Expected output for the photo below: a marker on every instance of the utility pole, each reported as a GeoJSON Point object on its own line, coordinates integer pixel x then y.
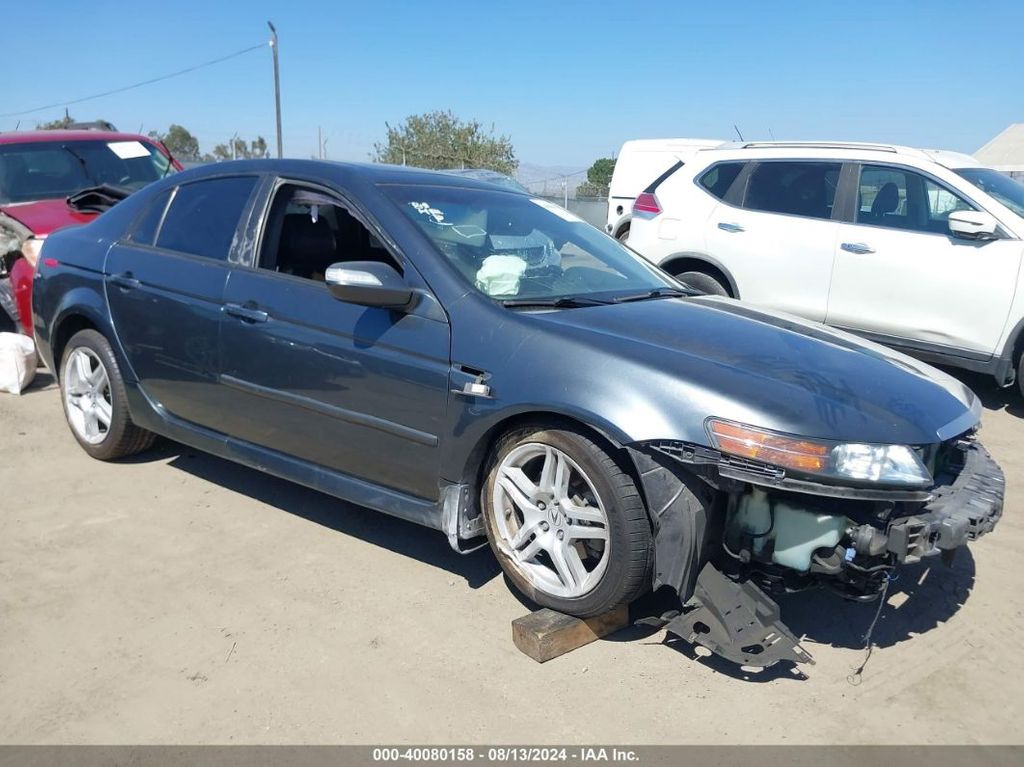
{"type": "Point", "coordinates": [319, 143]}
{"type": "Point", "coordinates": [565, 191]}
{"type": "Point", "coordinates": [277, 88]}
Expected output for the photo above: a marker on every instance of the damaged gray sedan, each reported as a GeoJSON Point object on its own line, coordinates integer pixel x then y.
{"type": "Point", "coordinates": [486, 364]}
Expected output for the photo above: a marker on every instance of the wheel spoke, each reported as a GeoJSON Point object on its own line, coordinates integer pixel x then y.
{"type": "Point", "coordinates": [104, 412]}
{"type": "Point", "coordinates": [82, 367]}
{"type": "Point", "coordinates": [554, 476]}
{"type": "Point", "coordinates": [524, 504]}
{"type": "Point", "coordinates": [92, 427]}
{"type": "Point", "coordinates": [568, 565]}
{"type": "Point", "coordinates": [582, 513]}
{"type": "Point", "coordinates": [520, 480]}
{"type": "Point", "coordinates": [524, 533]}
{"type": "Point", "coordinates": [530, 550]}
{"type": "Point", "coordinates": [98, 378]}
{"type": "Point", "coordinates": [586, 533]}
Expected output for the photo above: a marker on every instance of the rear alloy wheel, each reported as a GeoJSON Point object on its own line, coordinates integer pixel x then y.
{"type": "Point", "coordinates": [94, 399]}
{"type": "Point", "coordinates": [566, 523]}
{"type": "Point", "coordinates": [705, 283]}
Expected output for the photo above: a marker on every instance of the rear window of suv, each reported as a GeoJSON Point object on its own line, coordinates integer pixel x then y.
{"type": "Point", "coordinates": [718, 179]}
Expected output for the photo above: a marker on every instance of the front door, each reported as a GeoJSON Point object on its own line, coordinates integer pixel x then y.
{"type": "Point", "coordinates": [900, 276]}
{"type": "Point", "coordinates": [358, 390]}
{"type": "Point", "coordinates": [164, 285]}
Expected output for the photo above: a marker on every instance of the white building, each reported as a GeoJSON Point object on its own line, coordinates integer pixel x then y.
{"type": "Point", "coordinates": [1006, 151]}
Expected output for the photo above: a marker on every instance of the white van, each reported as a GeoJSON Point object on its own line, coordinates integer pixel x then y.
{"type": "Point", "coordinates": [639, 163]}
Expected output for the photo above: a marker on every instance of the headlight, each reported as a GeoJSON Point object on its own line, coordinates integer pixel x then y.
{"type": "Point", "coordinates": [884, 464]}
{"type": "Point", "coordinates": [31, 248]}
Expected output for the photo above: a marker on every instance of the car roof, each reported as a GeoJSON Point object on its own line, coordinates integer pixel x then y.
{"type": "Point", "coordinates": [34, 136]}
{"type": "Point", "coordinates": [374, 173]}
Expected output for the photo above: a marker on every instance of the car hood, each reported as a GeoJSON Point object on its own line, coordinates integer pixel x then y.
{"type": "Point", "coordinates": [46, 216]}
{"type": "Point", "coordinates": [699, 357]}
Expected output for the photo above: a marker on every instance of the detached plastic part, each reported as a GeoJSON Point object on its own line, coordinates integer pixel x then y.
{"type": "Point", "coordinates": [737, 621]}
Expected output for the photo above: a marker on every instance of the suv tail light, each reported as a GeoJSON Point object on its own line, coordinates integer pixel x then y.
{"type": "Point", "coordinates": [646, 202]}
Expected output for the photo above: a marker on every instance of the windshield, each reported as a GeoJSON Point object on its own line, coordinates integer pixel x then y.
{"type": "Point", "coordinates": [47, 170]}
{"type": "Point", "coordinates": [512, 247]}
{"type": "Point", "coordinates": [1005, 189]}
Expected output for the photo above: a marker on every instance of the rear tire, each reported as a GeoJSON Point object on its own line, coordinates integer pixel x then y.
{"type": "Point", "coordinates": [703, 282]}
{"type": "Point", "coordinates": [95, 401]}
{"type": "Point", "coordinates": [566, 522]}
{"type": "Point", "coordinates": [623, 236]}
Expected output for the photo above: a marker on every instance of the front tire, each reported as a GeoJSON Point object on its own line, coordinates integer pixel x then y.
{"type": "Point", "coordinates": [95, 401]}
{"type": "Point", "coordinates": [566, 522]}
{"type": "Point", "coordinates": [703, 282]}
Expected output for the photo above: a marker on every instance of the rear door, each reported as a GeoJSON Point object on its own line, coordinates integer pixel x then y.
{"type": "Point", "coordinates": [901, 277]}
{"type": "Point", "coordinates": [165, 285]}
{"type": "Point", "coordinates": [362, 391]}
{"type": "Point", "coordinates": [775, 233]}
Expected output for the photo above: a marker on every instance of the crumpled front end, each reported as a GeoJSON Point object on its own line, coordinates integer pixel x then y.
{"type": "Point", "coordinates": [769, 533]}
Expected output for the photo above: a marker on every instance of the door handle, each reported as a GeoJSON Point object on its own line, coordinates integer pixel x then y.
{"type": "Point", "coordinates": [727, 227]}
{"type": "Point", "coordinates": [246, 313]}
{"type": "Point", "coordinates": [125, 281]}
{"type": "Point", "coordinates": [857, 247]}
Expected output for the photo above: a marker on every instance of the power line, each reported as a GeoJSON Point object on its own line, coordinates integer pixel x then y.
{"type": "Point", "coordinates": [136, 85]}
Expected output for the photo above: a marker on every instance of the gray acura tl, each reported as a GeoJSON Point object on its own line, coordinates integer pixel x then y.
{"type": "Point", "coordinates": [484, 363]}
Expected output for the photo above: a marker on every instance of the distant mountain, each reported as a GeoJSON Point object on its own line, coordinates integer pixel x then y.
{"type": "Point", "coordinates": [547, 179]}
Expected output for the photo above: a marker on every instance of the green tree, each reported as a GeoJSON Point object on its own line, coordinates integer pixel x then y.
{"type": "Point", "coordinates": [442, 140]}
{"type": "Point", "coordinates": [239, 149]}
{"type": "Point", "coordinates": [599, 177]}
{"type": "Point", "coordinates": [179, 141]}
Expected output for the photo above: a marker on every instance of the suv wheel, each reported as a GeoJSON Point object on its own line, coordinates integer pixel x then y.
{"type": "Point", "coordinates": [566, 523]}
{"type": "Point", "coordinates": [705, 283]}
{"type": "Point", "coordinates": [95, 402]}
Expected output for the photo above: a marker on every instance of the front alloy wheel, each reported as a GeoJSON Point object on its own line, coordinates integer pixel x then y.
{"type": "Point", "coordinates": [551, 522]}
{"type": "Point", "coordinates": [566, 522]}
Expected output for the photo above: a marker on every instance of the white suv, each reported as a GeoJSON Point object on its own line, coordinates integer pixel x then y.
{"type": "Point", "coordinates": [917, 249]}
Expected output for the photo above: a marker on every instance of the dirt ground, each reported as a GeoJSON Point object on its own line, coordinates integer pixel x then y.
{"type": "Point", "coordinates": [179, 598]}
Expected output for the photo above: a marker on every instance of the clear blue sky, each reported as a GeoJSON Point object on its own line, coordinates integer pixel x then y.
{"type": "Point", "coordinates": [568, 81]}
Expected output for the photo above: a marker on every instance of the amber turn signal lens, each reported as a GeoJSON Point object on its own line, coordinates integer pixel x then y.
{"type": "Point", "coordinates": [766, 446]}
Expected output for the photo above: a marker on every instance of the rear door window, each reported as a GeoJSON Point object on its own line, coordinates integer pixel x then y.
{"type": "Point", "coordinates": [203, 216]}
{"type": "Point", "coordinates": [794, 188]}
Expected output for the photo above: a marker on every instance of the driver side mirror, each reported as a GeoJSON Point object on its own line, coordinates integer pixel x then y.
{"type": "Point", "coordinates": [369, 283]}
{"type": "Point", "coordinates": [973, 225]}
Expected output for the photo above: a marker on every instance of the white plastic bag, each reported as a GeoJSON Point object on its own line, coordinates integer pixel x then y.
{"type": "Point", "coordinates": [17, 362]}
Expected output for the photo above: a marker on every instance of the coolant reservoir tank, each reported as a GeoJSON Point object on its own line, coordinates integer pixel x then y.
{"type": "Point", "coordinates": [798, 533]}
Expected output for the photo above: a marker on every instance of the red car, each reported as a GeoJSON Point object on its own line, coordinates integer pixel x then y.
{"type": "Point", "coordinates": [53, 179]}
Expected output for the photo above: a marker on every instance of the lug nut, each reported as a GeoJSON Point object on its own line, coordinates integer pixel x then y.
{"type": "Point", "coordinates": [544, 526]}
{"type": "Point", "coordinates": [561, 534]}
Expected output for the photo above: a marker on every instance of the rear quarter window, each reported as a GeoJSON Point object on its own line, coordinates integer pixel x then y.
{"type": "Point", "coordinates": [144, 227]}
{"type": "Point", "coordinates": [204, 215]}
{"type": "Point", "coordinates": [720, 178]}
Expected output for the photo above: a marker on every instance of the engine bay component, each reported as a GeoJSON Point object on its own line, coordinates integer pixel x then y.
{"type": "Point", "coordinates": [782, 532]}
